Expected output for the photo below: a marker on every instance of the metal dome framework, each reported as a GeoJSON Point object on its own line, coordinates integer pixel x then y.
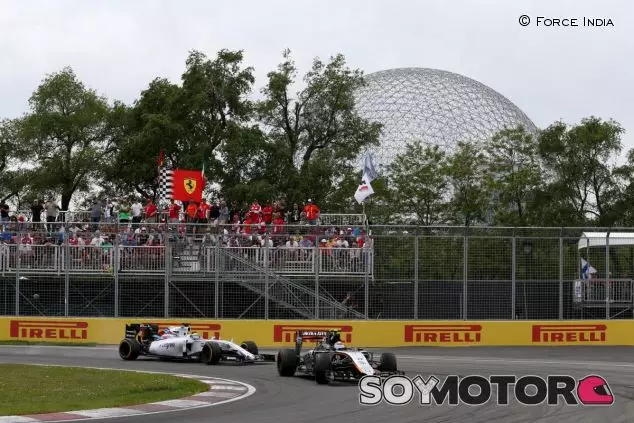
{"type": "Point", "coordinates": [435, 107]}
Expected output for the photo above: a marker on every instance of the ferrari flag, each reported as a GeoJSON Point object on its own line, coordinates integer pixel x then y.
{"type": "Point", "coordinates": [182, 185]}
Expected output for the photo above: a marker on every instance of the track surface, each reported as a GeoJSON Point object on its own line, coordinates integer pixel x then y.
{"type": "Point", "coordinates": [281, 400]}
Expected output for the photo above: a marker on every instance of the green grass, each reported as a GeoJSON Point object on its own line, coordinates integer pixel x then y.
{"type": "Point", "coordinates": [26, 389]}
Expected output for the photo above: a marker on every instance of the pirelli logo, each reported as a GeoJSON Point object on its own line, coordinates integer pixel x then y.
{"type": "Point", "coordinates": [286, 333]}
{"type": "Point", "coordinates": [558, 333]}
{"type": "Point", "coordinates": [443, 334]}
{"type": "Point", "coordinates": [205, 330]}
{"type": "Point", "coordinates": [48, 329]}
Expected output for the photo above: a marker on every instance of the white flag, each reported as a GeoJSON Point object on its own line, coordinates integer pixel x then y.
{"type": "Point", "coordinates": [587, 270]}
{"type": "Point", "coordinates": [369, 172]}
{"type": "Point", "coordinates": [363, 191]}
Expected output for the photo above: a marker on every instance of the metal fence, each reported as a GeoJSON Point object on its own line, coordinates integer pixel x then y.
{"type": "Point", "coordinates": [361, 272]}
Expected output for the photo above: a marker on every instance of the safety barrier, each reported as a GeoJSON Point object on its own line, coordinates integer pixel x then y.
{"type": "Point", "coordinates": [277, 333]}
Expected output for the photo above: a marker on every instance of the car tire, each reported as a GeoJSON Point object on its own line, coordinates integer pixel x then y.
{"type": "Point", "coordinates": [286, 361]}
{"type": "Point", "coordinates": [387, 362]}
{"type": "Point", "coordinates": [322, 366]}
{"type": "Point", "coordinates": [211, 353]}
{"type": "Point", "coordinates": [129, 349]}
{"type": "Point", "coordinates": [250, 346]}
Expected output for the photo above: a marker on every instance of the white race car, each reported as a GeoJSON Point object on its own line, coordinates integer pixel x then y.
{"type": "Point", "coordinates": [179, 342]}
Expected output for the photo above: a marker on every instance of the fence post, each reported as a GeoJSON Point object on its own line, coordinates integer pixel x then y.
{"type": "Point", "coordinates": [416, 264]}
{"type": "Point", "coordinates": [317, 261]}
{"type": "Point", "coordinates": [17, 278]}
{"type": "Point", "coordinates": [217, 278]}
{"type": "Point", "coordinates": [366, 288]}
{"type": "Point", "coordinates": [513, 277]}
{"type": "Point", "coordinates": [465, 268]}
{"type": "Point", "coordinates": [607, 275]}
{"type": "Point", "coordinates": [561, 277]}
{"type": "Point", "coordinates": [266, 276]}
{"type": "Point", "coordinates": [116, 265]}
{"type": "Point", "coordinates": [168, 271]}
{"type": "Point", "coordinates": [65, 253]}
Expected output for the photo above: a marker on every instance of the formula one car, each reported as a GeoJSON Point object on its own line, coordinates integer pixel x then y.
{"type": "Point", "coordinates": [330, 360]}
{"type": "Point", "coordinates": [179, 342]}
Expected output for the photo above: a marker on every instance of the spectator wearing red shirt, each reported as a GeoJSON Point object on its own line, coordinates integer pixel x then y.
{"type": "Point", "coordinates": [192, 211]}
{"type": "Point", "coordinates": [278, 228]}
{"type": "Point", "coordinates": [255, 208]}
{"type": "Point", "coordinates": [151, 212]}
{"type": "Point", "coordinates": [203, 210]}
{"type": "Point", "coordinates": [173, 211]}
{"type": "Point", "coordinates": [246, 229]}
{"type": "Point", "coordinates": [312, 212]}
{"type": "Point", "coordinates": [267, 214]}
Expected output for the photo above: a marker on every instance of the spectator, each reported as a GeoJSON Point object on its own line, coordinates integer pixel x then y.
{"type": "Point", "coordinates": [312, 212]}
{"type": "Point", "coordinates": [256, 208]}
{"type": "Point", "coordinates": [267, 214]}
{"type": "Point", "coordinates": [95, 214]}
{"type": "Point", "coordinates": [36, 212]}
{"type": "Point", "coordinates": [51, 215]}
{"type": "Point", "coordinates": [97, 239]}
{"type": "Point", "coordinates": [173, 211]}
{"type": "Point", "coordinates": [124, 213]}
{"type": "Point", "coordinates": [109, 212]}
{"type": "Point", "coordinates": [294, 216]}
{"type": "Point", "coordinates": [136, 209]}
{"type": "Point", "coordinates": [192, 211]}
{"type": "Point", "coordinates": [151, 211]}
{"type": "Point", "coordinates": [235, 211]}
{"type": "Point", "coordinates": [203, 212]}
{"type": "Point", "coordinates": [4, 213]}
{"type": "Point", "coordinates": [223, 217]}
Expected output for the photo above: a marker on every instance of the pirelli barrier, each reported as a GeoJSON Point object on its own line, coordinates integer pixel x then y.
{"type": "Point", "coordinates": [275, 333]}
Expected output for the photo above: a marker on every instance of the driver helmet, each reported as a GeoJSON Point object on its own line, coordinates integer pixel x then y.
{"type": "Point", "coordinates": [339, 345]}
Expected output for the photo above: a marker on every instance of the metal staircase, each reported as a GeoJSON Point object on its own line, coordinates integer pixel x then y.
{"type": "Point", "coordinates": [284, 292]}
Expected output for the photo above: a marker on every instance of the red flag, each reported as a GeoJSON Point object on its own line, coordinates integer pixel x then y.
{"type": "Point", "coordinates": [187, 185]}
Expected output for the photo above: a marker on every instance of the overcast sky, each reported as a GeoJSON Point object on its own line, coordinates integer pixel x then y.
{"type": "Point", "coordinates": [118, 47]}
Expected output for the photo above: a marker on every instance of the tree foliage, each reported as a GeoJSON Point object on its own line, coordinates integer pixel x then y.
{"type": "Point", "coordinates": [66, 135]}
{"type": "Point", "coordinates": [316, 132]}
{"type": "Point", "coordinates": [419, 184]}
{"type": "Point", "coordinates": [514, 174]}
{"type": "Point", "coordinates": [301, 140]}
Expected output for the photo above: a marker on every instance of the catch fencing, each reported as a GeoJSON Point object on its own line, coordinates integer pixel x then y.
{"type": "Point", "coordinates": [373, 272]}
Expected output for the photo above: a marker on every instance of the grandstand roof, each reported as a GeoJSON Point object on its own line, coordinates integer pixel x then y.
{"type": "Point", "coordinates": [600, 239]}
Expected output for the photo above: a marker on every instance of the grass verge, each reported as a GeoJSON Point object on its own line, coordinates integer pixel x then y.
{"type": "Point", "coordinates": [26, 389]}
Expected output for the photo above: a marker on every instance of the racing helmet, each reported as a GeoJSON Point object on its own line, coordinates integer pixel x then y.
{"type": "Point", "coordinates": [339, 346]}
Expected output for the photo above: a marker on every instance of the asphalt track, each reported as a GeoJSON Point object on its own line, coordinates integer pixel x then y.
{"type": "Point", "coordinates": [281, 400]}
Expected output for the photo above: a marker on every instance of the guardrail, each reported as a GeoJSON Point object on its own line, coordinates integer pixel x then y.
{"type": "Point", "coordinates": [87, 259]}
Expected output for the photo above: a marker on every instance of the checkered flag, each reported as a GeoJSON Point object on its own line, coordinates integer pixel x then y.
{"type": "Point", "coordinates": [166, 184]}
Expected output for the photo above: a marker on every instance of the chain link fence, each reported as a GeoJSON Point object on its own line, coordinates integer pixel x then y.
{"type": "Point", "coordinates": [341, 270]}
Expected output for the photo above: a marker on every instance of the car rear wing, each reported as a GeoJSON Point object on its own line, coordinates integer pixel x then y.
{"type": "Point", "coordinates": [308, 335]}
{"type": "Point", "coordinates": [133, 330]}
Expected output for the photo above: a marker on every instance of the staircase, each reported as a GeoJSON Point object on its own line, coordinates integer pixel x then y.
{"type": "Point", "coordinates": [285, 292]}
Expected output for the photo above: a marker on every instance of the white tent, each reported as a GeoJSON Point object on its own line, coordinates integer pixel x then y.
{"type": "Point", "coordinates": [600, 239]}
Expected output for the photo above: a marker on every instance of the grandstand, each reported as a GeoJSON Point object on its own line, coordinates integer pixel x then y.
{"type": "Point", "coordinates": [76, 268]}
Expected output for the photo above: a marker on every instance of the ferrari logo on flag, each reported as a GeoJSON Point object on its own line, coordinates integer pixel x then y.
{"type": "Point", "coordinates": [190, 185]}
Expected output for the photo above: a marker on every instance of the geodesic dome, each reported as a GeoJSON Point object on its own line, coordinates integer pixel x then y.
{"type": "Point", "coordinates": [433, 106]}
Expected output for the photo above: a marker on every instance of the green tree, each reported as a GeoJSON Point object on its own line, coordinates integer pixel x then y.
{"type": "Point", "coordinates": [579, 163]}
{"type": "Point", "coordinates": [470, 193]}
{"type": "Point", "coordinates": [316, 133]}
{"type": "Point", "coordinates": [65, 135]}
{"type": "Point", "coordinates": [514, 174]}
{"type": "Point", "coordinates": [419, 184]}
{"type": "Point", "coordinates": [188, 122]}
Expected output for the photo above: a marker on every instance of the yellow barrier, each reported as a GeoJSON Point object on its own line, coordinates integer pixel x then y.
{"type": "Point", "coordinates": [277, 333]}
